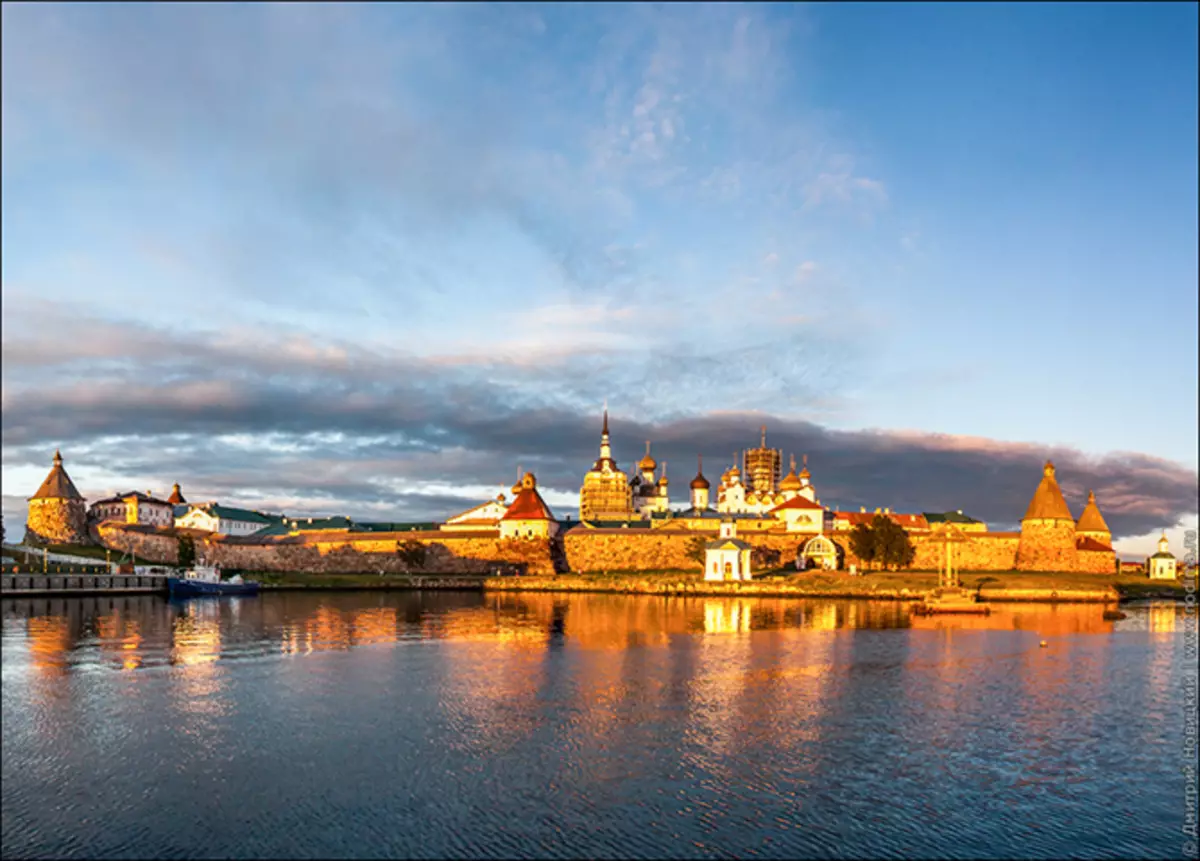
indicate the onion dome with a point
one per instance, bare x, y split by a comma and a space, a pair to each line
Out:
804, 473
791, 481
662, 479
1048, 502
647, 463
1090, 520
700, 482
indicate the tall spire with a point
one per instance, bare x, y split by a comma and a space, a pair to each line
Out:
764, 436
58, 457
605, 448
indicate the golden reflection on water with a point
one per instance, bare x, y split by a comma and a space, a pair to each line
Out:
120, 639
50, 642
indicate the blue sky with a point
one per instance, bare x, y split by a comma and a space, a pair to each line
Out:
368, 259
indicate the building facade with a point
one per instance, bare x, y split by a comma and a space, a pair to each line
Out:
727, 558
223, 519
135, 507
482, 518
1162, 565
528, 516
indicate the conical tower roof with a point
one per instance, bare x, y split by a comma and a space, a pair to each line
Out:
58, 484
1048, 502
176, 497
1090, 520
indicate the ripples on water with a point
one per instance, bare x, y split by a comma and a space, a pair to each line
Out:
462, 725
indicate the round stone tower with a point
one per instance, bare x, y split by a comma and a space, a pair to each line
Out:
1047, 529
56, 511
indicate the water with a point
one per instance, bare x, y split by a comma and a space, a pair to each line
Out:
449, 725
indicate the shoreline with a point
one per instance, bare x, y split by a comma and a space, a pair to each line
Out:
893, 586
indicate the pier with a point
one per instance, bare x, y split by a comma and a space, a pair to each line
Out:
22, 585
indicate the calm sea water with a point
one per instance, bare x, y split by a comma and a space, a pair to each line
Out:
447, 725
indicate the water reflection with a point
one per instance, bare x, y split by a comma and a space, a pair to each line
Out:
465, 723
134, 632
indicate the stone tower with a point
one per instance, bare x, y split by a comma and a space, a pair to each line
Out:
1047, 529
1091, 523
56, 511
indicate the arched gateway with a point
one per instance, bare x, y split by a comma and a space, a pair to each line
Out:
823, 551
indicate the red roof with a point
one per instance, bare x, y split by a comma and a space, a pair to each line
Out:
908, 521
528, 506
797, 502
1087, 543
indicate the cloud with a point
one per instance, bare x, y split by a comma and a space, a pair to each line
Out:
324, 427
805, 271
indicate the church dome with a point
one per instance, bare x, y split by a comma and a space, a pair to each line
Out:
700, 482
791, 481
647, 463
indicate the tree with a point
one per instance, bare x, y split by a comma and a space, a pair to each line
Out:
187, 551
695, 550
862, 544
765, 557
892, 545
411, 553
889, 542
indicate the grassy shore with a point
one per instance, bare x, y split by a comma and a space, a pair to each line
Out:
891, 585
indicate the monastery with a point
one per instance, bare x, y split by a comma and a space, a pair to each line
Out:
626, 523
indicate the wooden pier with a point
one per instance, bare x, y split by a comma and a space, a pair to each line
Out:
22, 585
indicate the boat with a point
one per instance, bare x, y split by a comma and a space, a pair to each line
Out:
949, 600
206, 580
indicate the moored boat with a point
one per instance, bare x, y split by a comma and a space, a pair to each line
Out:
206, 580
949, 600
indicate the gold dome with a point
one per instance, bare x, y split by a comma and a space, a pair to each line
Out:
647, 463
791, 481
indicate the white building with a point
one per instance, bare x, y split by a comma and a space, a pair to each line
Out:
735, 497
222, 519
1162, 565
727, 558
134, 507
482, 518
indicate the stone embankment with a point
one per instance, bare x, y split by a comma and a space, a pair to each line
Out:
633, 585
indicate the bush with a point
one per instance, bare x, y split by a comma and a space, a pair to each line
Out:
187, 551
695, 550
411, 553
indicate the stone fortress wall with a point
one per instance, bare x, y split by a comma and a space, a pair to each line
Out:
583, 550
56, 521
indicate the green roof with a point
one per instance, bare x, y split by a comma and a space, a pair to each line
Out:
949, 517
243, 514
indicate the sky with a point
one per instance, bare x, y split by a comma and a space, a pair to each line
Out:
374, 260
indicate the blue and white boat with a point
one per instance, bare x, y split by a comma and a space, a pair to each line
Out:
206, 580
